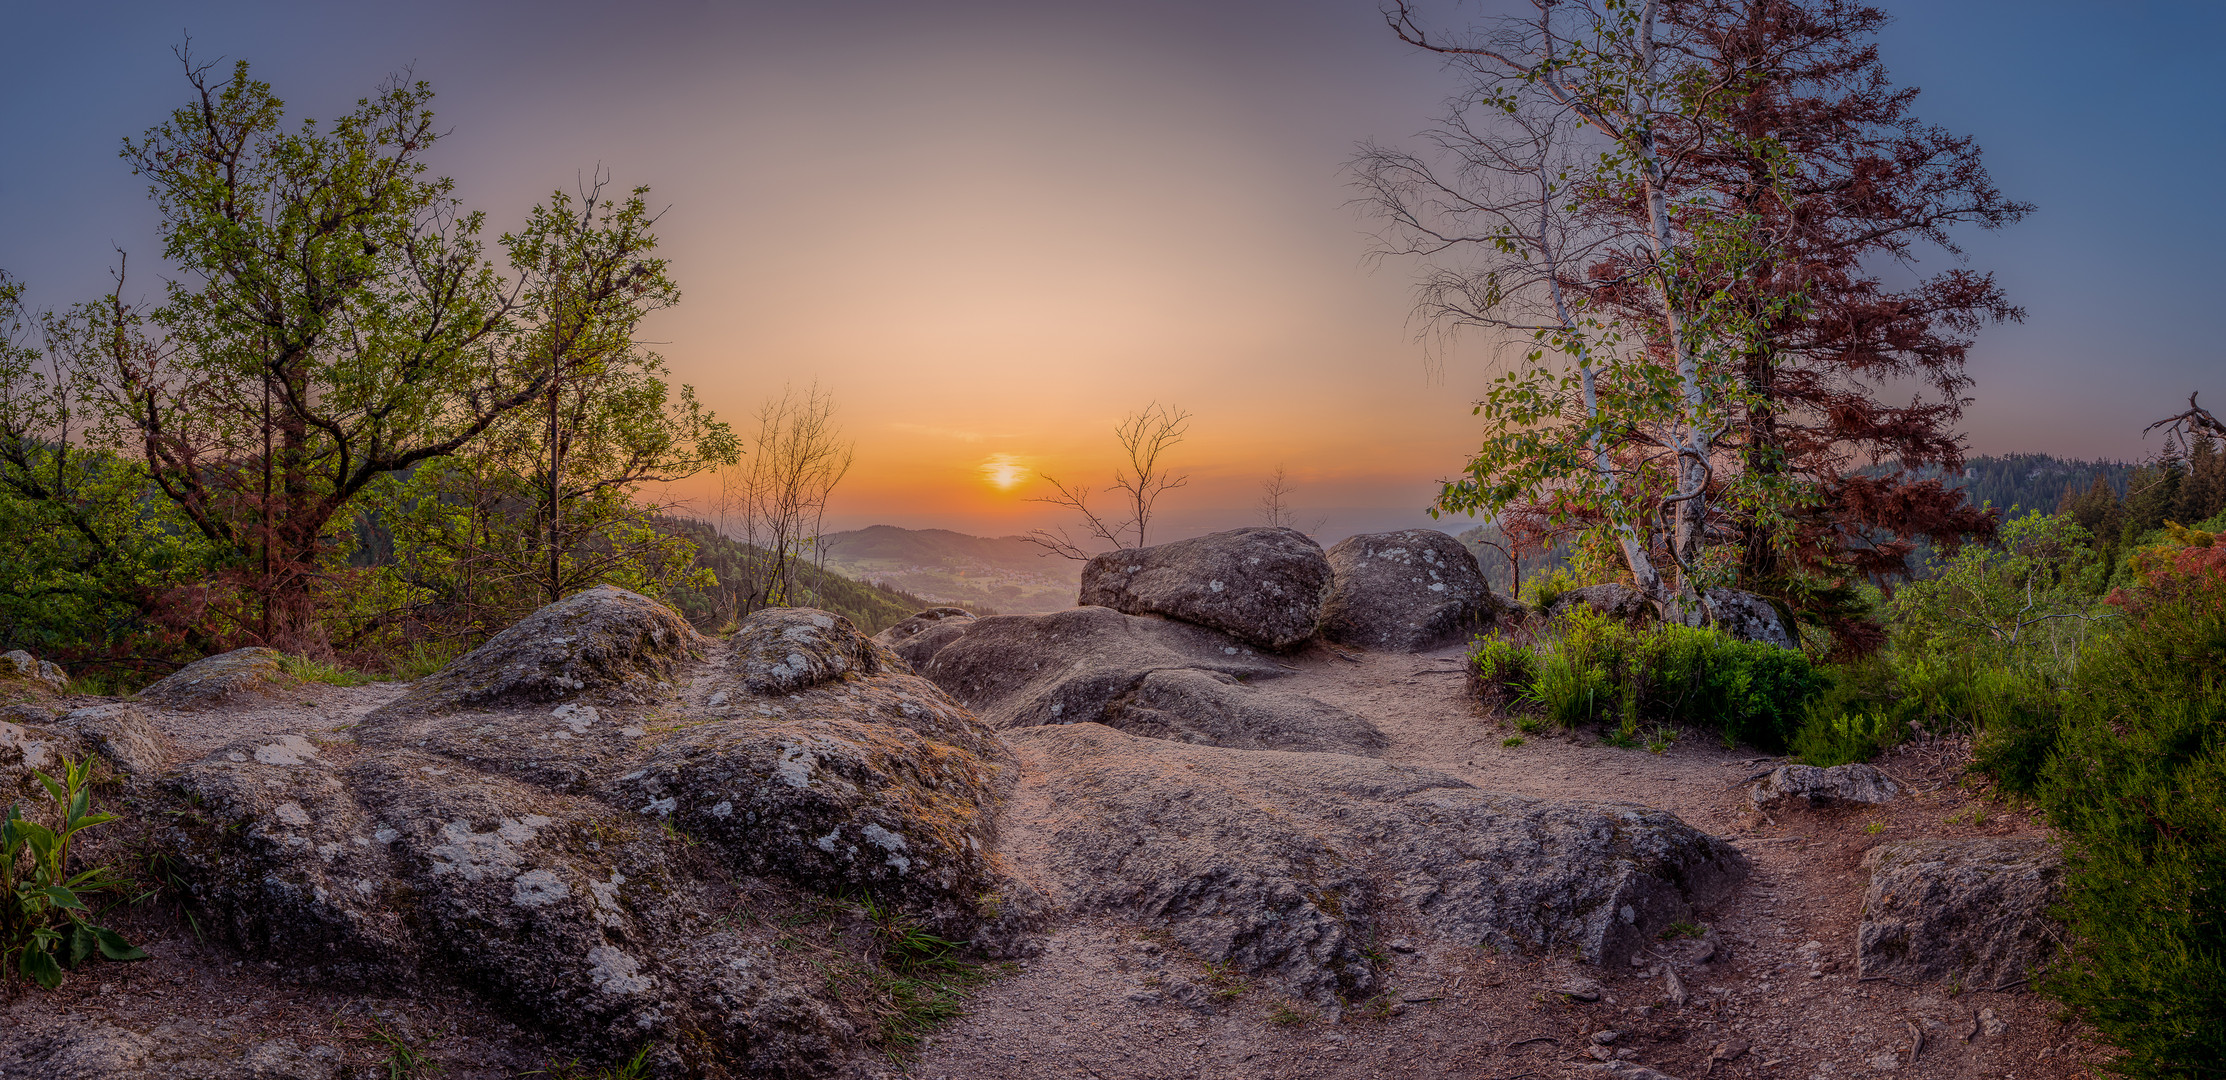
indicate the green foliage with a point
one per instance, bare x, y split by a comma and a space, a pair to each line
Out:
319, 671
2030, 596
1590, 669
45, 925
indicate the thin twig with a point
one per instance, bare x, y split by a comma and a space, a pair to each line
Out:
1532, 1039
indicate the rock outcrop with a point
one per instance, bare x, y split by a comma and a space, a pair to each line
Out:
1973, 912
224, 679
1286, 864
1404, 591
618, 644
916, 639
118, 732
23, 665
535, 823
1748, 617
1147, 676
1614, 601
1816, 788
1263, 586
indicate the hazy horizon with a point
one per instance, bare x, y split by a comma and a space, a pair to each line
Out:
991, 229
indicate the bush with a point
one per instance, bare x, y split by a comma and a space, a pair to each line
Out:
2137, 778
1588, 668
45, 925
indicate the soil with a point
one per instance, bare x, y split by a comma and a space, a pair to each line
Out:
1459, 1012
1114, 1000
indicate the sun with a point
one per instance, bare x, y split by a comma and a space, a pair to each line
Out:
1004, 471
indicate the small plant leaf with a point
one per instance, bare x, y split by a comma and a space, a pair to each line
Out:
114, 947
38, 965
63, 898
77, 945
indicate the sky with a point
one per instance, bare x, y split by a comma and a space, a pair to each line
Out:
992, 229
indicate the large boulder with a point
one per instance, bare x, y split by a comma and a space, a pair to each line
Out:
573, 863
1263, 586
619, 644
224, 679
1404, 591
1974, 912
1748, 617
1817, 788
1289, 865
34, 741
1146, 676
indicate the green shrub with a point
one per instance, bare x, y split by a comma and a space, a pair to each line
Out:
2137, 778
1590, 669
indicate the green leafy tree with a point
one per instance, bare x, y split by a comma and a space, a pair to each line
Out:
1558, 173
2027, 597
336, 322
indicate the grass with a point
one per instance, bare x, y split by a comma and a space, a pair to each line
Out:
1512, 740
317, 671
922, 980
403, 1061
1287, 1015
421, 659
635, 1068
1677, 930
1223, 983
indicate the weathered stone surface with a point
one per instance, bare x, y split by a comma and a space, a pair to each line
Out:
122, 734
1404, 591
1148, 676
1973, 912
25, 751
615, 643
1748, 617
1286, 864
23, 665
549, 858
916, 639
1263, 586
86, 1048
1615, 601
1808, 785
223, 679
783, 650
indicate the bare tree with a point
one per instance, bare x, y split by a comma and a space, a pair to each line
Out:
776, 501
1275, 491
1144, 436
2196, 421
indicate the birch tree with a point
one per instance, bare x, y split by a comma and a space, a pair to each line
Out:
1557, 160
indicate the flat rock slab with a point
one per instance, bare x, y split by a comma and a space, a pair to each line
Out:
1287, 864
1263, 586
1404, 591
1973, 912
1154, 677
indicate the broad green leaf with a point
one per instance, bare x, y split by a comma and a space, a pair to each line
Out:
39, 966
114, 947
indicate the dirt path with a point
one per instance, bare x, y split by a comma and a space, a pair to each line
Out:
1116, 1002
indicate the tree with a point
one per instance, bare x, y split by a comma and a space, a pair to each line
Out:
1612, 421
1144, 436
337, 323
776, 501
1814, 143
1758, 150
1274, 506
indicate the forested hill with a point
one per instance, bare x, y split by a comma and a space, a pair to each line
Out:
2029, 481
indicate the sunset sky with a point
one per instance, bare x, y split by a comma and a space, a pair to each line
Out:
993, 228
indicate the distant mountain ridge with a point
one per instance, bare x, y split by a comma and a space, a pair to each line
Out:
1005, 573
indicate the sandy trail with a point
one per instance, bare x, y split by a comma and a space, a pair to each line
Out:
1075, 1011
